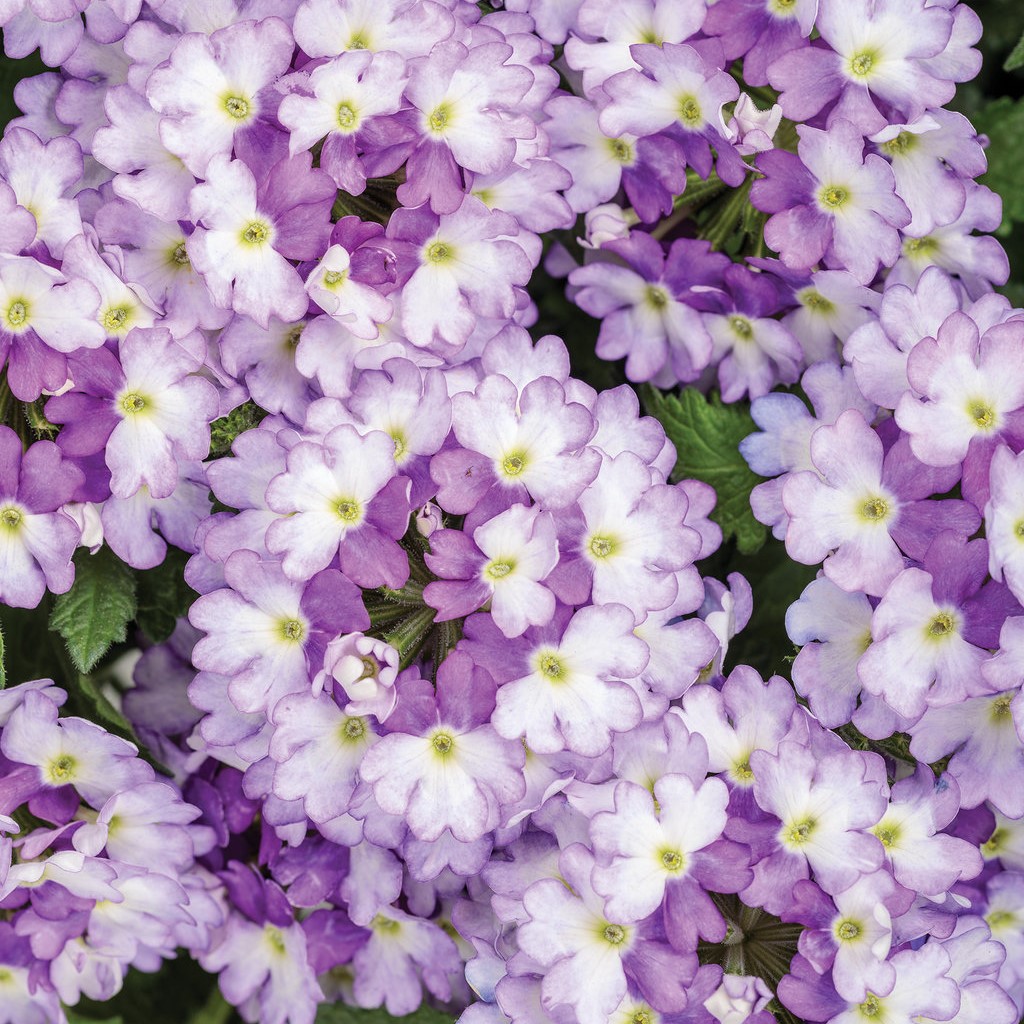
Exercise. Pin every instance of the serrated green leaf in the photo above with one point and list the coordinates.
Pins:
(707, 434)
(163, 596)
(340, 1013)
(96, 611)
(1016, 58)
(1002, 120)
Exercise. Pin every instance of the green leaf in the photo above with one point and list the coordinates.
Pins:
(1016, 58)
(99, 709)
(96, 611)
(707, 434)
(77, 1018)
(1002, 120)
(340, 1013)
(223, 431)
(164, 596)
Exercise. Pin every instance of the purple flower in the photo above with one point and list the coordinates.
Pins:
(504, 565)
(341, 499)
(248, 231)
(870, 51)
(444, 766)
(351, 97)
(468, 102)
(831, 203)
(215, 87)
(37, 537)
(863, 505)
(649, 310)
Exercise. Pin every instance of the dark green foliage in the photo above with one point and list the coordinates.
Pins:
(227, 428)
(1016, 58)
(163, 596)
(11, 72)
(706, 434)
(339, 1013)
(181, 993)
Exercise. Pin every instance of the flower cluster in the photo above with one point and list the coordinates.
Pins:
(451, 717)
(97, 860)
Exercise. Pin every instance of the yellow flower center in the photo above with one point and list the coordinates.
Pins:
(902, 144)
(133, 403)
(255, 233)
(834, 196)
(11, 518)
(862, 63)
(941, 625)
(292, 630)
(348, 510)
(800, 833)
(179, 255)
(887, 835)
(920, 247)
(991, 847)
(982, 413)
(440, 252)
(673, 860)
(513, 464)
(115, 318)
(550, 666)
(439, 118)
(1001, 706)
(237, 107)
(498, 570)
(622, 151)
(741, 327)
(875, 509)
(689, 111)
(816, 301)
(17, 314)
(352, 729)
(871, 1007)
(61, 770)
(347, 118)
